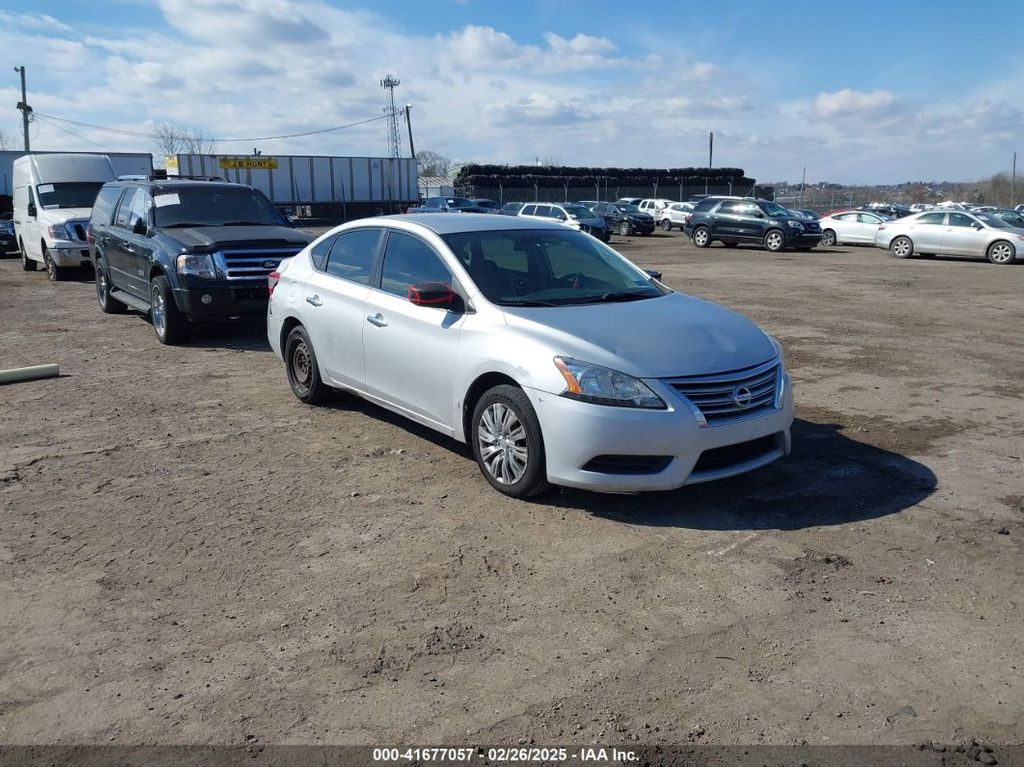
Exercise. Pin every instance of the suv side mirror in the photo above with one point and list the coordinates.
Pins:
(140, 227)
(759, 214)
(438, 295)
(653, 274)
(32, 210)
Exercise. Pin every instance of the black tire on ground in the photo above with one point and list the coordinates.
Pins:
(828, 238)
(902, 247)
(1001, 252)
(303, 369)
(666, 225)
(774, 240)
(27, 264)
(701, 237)
(170, 325)
(507, 442)
(108, 305)
(53, 272)
(625, 229)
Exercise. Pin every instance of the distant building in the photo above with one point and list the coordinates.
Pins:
(436, 186)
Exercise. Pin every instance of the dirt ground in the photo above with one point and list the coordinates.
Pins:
(189, 555)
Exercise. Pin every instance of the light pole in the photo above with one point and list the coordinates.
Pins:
(1013, 183)
(23, 105)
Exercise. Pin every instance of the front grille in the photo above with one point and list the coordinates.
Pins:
(250, 264)
(731, 396)
(812, 226)
(628, 464)
(255, 293)
(76, 229)
(732, 455)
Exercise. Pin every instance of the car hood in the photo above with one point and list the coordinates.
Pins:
(63, 215)
(673, 335)
(205, 237)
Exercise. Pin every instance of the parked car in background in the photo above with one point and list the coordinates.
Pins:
(920, 207)
(511, 208)
(1019, 208)
(570, 214)
(1012, 217)
(674, 215)
(448, 205)
(533, 344)
(8, 242)
(734, 220)
(653, 207)
(852, 227)
(491, 206)
(53, 196)
(629, 200)
(955, 233)
(623, 218)
(806, 214)
(184, 251)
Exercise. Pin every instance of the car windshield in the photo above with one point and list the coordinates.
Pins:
(461, 202)
(775, 210)
(70, 194)
(992, 221)
(577, 211)
(627, 208)
(539, 267)
(213, 206)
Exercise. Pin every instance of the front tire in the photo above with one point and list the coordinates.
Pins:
(774, 241)
(666, 225)
(701, 237)
(507, 442)
(625, 229)
(828, 238)
(171, 326)
(108, 305)
(303, 369)
(1001, 252)
(53, 272)
(901, 247)
(27, 264)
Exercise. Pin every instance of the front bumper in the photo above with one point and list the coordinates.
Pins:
(577, 432)
(218, 301)
(69, 253)
(803, 239)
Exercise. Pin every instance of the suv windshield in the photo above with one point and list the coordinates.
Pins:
(526, 267)
(461, 202)
(70, 194)
(578, 211)
(213, 206)
(775, 210)
(626, 208)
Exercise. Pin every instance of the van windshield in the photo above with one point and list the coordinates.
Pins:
(213, 206)
(68, 194)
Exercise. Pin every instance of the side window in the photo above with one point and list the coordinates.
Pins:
(318, 253)
(140, 206)
(103, 208)
(731, 208)
(529, 210)
(121, 217)
(931, 218)
(556, 213)
(352, 255)
(407, 261)
(867, 218)
(544, 210)
(959, 219)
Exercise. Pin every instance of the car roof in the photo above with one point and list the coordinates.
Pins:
(171, 183)
(456, 223)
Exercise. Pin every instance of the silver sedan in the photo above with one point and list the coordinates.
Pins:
(553, 357)
(953, 233)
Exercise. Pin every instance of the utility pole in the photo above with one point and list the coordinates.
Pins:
(803, 180)
(23, 105)
(711, 153)
(1013, 183)
(408, 123)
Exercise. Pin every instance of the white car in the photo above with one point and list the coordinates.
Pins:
(674, 215)
(556, 359)
(571, 214)
(854, 227)
(653, 207)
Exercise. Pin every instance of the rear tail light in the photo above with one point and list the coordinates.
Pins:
(688, 217)
(272, 279)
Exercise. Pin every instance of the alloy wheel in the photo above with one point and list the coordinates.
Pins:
(158, 313)
(101, 286)
(503, 447)
(700, 237)
(1001, 253)
(773, 241)
(901, 247)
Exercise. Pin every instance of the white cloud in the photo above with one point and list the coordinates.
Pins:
(846, 102)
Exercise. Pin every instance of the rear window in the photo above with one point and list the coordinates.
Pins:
(103, 207)
(704, 205)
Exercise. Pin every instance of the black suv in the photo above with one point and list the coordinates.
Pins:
(185, 251)
(732, 220)
(623, 218)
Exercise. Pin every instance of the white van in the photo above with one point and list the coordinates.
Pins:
(53, 197)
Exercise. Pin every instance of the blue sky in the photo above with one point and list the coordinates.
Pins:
(872, 93)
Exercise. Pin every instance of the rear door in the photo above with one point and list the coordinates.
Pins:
(411, 350)
(927, 232)
(334, 308)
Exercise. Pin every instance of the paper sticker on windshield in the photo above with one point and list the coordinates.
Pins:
(45, 188)
(161, 200)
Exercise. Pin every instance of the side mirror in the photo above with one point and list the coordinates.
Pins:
(976, 225)
(32, 210)
(438, 295)
(653, 274)
(759, 214)
(140, 227)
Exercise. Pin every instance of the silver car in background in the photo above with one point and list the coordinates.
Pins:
(674, 215)
(556, 359)
(953, 233)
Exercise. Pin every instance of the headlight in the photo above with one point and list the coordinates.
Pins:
(200, 266)
(778, 347)
(58, 232)
(603, 386)
(795, 224)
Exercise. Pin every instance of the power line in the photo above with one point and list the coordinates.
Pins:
(139, 134)
(72, 133)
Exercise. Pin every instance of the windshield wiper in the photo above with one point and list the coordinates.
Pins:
(531, 302)
(625, 295)
(243, 223)
(182, 225)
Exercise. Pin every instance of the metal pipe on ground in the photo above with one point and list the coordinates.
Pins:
(31, 373)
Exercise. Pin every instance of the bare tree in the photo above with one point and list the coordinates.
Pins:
(196, 141)
(6, 141)
(171, 139)
(432, 163)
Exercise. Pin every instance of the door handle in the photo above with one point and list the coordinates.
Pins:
(314, 300)
(129, 247)
(377, 319)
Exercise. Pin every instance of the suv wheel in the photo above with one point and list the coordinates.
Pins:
(666, 225)
(107, 304)
(302, 368)
(828, 238)
(774, 241)
(27, 264)
(701, 237)
(625, 229)
(171, 325)
(54, 272)
(507, 442)
(901, 247)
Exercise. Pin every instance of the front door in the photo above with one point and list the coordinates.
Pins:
(137, 243)
(410, 350)
(963, 236)
(116, 253)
